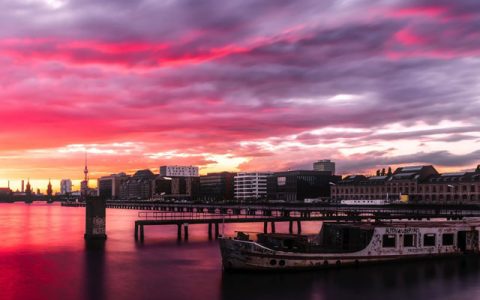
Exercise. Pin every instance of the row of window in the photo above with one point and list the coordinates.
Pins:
(433, 189)
(429, 239)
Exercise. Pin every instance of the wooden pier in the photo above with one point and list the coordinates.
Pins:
(185, 219)
(214, 222)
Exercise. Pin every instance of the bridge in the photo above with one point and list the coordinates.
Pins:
(213, 214)
(293, 215)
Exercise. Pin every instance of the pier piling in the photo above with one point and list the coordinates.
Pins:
(142, 234)
(136, 231)
(185, 231)
(217, 234)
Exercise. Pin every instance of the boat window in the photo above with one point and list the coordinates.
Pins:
(447, 239)
(409, 240)
(388, 241)
(429, 239)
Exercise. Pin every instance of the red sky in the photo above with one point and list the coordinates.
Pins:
(236, 85)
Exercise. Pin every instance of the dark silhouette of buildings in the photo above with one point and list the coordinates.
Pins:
(299, 185)
(414, 183)
(139, 186)
(217, 186)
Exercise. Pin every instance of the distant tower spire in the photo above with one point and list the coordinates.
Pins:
(49, 188)
(28, 190)
(85, 171)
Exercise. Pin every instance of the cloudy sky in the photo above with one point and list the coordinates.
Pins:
(237, 85)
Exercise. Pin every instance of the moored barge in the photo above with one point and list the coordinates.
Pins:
(341, 244)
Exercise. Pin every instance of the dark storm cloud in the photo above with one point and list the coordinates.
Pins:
(223, 72)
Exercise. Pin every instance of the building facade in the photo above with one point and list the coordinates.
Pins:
(109, 186)
(324, 165)
(217, 186)
(5, 194)
(65, 186)
(414, 183)
(299, 185)
(138, 187)
(251, 186)
(162, 186)
(179, 171)
(185, 188)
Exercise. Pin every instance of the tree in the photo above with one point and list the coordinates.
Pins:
(478, 169)
(383, 172)
(378, 172)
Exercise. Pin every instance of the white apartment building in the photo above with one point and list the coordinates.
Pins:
(251, 185)
(179, 171)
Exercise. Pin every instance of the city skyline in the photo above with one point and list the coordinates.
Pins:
(236, 86)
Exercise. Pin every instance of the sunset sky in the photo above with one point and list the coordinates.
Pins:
(236, 85)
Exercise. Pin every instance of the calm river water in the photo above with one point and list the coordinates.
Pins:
(43, 256)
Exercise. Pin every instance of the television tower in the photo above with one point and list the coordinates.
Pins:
(85, 171)
(84, 183)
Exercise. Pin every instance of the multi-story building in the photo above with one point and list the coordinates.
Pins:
(109, 186)
(139, 186)
(162, 186)
(251, 185)
(415, 183)
(179, 171)
(299, 185)
(185, 188)
(5, 194)
(217, 186)
(65, 186)
(324, 165)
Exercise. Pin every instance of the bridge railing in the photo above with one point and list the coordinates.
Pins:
(159, 215)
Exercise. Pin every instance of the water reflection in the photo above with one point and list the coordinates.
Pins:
(43, 256)
(94, 275)
(428, 279)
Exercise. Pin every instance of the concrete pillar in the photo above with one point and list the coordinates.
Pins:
(217, 234)
(290, 226)
(95, 219)
(265, 227)
(136, 231)
(179, 232)
(185, 231)
(299, 227)
(209, 231)
(273, 227)
(142, 234)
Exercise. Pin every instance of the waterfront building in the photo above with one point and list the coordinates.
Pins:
(251, 185)
(162, 187)
(138, 187)
(185, 188)
(109, 186)
(65, 186)
(413, 183)
(217, 186)
(324, 165)
(299, 185)
(179, 171)
(5, 194)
